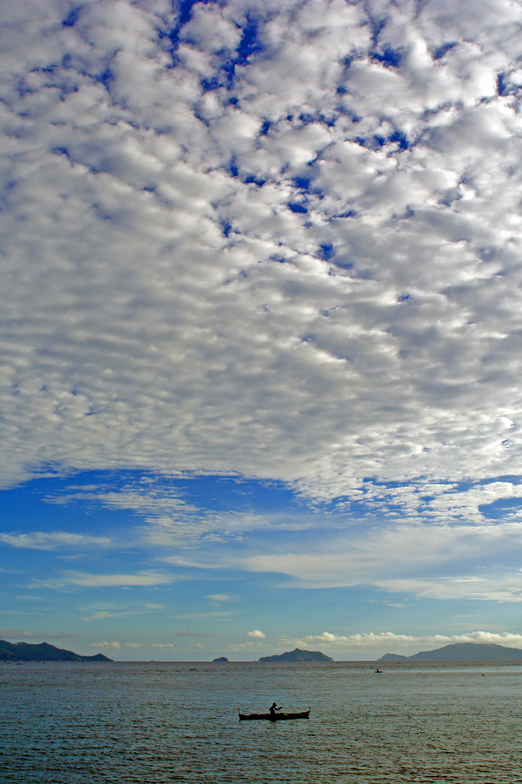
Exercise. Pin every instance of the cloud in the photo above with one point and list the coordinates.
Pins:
(169, 518)
(115, 645)
(217, 616)
(110, 611)
(219, 597)
(40, 540)
(503, 587)
(177, 560)
(301, 263)
(401, 641)
(145, 578)
(444, 562)
(249, 647)
(140, 498)
(86, 580)
(258, 634)
(98, 616)
(38, 634)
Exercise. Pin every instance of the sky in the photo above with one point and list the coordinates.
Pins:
(261, 326)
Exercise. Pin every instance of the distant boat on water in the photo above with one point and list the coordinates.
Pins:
(273, 716)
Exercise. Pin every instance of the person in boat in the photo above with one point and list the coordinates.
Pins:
(274, 708)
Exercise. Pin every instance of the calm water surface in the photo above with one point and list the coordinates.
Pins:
(149, 723)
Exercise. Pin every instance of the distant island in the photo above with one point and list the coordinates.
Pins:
(220, 659)
(297, 655)
(461, 651)
(43, 652)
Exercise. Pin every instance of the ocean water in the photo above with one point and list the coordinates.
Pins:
(149, 723)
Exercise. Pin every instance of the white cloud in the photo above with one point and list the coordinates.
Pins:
(165, 313)
(39, 540)
(169, 519)
(111, 611)
(219, 597)
(98, 616)
(257, 634)
(444, 562)
(217, 616)
(180, 561)
(70, 579)
(503, 586)
(401, 641)
(144, 578)
(136, 498)
(39, 634)
(115, 645)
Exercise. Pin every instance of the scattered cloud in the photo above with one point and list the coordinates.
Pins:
(400, 641)
(38, 634)
(219, 597)
(135, 498)
(40, 540)
(219, 616)
(450, 562)
(177, 560)
(253, 648)
(109, 611)
(72, 579)
(258, 634)
(311, 218)
(503, 587)
(145, 578)
(115, 645)
(102, 615)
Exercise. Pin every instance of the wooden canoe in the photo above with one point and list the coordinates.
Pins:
(273, 716)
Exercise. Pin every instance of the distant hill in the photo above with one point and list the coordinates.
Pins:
(297, 655)
(26, 651)
(393, 657)
(461, 651)
(220, 659)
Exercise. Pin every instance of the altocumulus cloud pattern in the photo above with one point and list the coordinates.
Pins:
(280, 239)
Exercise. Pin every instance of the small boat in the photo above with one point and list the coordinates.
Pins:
(378, 670)
(273, 716)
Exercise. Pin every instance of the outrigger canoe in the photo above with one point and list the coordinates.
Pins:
(273, 716)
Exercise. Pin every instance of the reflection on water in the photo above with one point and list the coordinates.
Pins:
(170, 722)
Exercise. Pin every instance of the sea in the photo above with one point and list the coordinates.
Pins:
(155, 722)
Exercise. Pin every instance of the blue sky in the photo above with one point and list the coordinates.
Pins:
(260, 326)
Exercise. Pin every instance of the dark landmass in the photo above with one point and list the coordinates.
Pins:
(461, 651)
(26, 651)
(393, 657)
(220, 659)
(297, 655)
